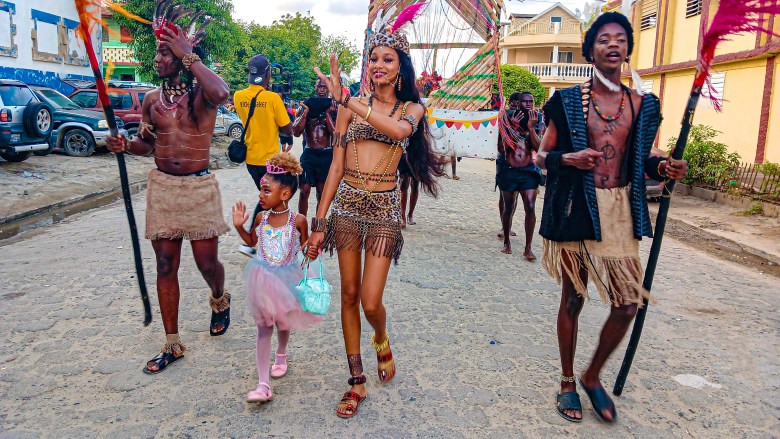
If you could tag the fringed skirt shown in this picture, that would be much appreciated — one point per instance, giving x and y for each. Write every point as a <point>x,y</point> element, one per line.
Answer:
<point>183,207</point>
<point>612,264</point>
<point>363,220</point>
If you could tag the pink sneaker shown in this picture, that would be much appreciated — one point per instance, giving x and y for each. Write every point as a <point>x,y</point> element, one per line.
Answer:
<point>279,370</point>
<point>263,393</point>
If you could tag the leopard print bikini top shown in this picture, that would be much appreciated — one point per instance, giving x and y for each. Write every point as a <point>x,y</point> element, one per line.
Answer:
<point>365,131</point>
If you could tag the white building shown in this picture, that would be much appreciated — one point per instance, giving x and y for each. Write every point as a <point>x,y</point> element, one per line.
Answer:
<point>38,43</point>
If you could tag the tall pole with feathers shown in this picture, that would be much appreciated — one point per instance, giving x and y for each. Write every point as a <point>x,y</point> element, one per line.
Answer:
<point>89,11</point>
<point>733,17</point>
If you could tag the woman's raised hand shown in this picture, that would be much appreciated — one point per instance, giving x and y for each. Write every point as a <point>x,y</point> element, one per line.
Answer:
<point>334,80</point>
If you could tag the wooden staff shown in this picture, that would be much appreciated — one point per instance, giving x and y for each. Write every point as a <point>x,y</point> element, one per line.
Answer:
<point>86,35</point>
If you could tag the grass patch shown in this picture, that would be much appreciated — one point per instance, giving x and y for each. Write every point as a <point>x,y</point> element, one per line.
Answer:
<point>755,209</point>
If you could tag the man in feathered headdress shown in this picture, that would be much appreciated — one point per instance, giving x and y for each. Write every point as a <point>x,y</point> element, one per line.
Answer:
<point>597,152</point>
<point>183,199</point>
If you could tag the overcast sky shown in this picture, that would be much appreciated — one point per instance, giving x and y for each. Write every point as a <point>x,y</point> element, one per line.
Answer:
<point>348,18</point>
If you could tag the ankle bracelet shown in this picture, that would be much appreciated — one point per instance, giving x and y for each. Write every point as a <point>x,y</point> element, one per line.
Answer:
<point>354,381</point>
<point>565,379</point>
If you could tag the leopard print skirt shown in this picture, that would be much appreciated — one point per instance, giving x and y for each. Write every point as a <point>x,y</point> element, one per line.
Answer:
<point>365,220</point>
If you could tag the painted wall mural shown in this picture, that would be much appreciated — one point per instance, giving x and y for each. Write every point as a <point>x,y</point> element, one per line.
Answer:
<point>464,133</point>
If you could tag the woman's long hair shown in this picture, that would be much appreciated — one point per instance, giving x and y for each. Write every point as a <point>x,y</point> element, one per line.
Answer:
<point>423,162</point>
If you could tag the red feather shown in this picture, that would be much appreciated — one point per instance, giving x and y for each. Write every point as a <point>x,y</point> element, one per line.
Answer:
<point>408,14</point>
<point>733,17</point>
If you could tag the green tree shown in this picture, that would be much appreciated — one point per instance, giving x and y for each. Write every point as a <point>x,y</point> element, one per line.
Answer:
<point>348,53</point>
<point>223,39</point>
<point>708,161</point>
<point>292,42</point>
<point>515,78</point>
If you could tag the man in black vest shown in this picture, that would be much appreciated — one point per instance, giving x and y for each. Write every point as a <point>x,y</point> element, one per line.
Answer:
<point>595,208</point>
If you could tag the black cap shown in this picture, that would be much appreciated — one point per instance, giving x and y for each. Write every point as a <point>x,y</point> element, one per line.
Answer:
<point>258,67</point>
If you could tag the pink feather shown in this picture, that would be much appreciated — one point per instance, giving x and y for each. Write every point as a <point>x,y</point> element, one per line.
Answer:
<point>733,17</point>
<point>408,14</point>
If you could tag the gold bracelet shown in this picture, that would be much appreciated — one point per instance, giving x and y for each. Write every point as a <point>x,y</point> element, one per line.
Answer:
<point>188,59</point>
<point>367,114</point>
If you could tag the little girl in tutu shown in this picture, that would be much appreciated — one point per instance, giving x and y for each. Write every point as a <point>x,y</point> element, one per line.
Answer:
<point>274,272</point>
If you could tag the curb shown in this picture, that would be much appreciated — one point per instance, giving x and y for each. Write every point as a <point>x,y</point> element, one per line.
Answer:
<point>13,225</point>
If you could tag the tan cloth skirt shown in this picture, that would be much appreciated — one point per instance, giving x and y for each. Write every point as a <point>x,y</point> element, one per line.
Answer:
<point>183,207</point>
<point>362,220</point>
<point>612,264</point>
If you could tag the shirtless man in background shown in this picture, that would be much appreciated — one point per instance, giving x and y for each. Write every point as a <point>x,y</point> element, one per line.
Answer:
<point>316,128</point>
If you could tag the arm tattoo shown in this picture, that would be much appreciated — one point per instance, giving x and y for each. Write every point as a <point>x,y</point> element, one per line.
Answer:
<point>339,140</point>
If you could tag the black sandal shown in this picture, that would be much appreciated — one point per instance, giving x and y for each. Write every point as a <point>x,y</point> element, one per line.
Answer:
<point>220,317</point>
<point>162,360</point>
<point>569,401</point>
<point>600,401</point>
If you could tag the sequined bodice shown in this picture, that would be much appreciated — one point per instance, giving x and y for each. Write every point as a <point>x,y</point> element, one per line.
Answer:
<point>277,246</point>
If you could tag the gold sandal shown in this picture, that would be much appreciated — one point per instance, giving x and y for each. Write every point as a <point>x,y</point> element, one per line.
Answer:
<point>384,363</point>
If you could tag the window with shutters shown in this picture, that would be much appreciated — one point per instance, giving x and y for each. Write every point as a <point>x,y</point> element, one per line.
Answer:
<point>563,57</point>
<point>106,37</point>
<point>692,8</point>
<point>647,86</point>
<point>718,80</point>
<point>649,14</point>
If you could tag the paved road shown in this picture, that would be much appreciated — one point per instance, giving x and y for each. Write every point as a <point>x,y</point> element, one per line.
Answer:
<point>473,331</point>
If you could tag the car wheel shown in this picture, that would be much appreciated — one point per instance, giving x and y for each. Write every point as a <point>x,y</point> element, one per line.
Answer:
<point>16,156</point>
<point>235,131</point>
<point>131,131</point>
<point>78,143</point>
<point>37,119</point>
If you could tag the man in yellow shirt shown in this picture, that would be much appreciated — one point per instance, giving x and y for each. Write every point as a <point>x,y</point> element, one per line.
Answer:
<point>268,120</point>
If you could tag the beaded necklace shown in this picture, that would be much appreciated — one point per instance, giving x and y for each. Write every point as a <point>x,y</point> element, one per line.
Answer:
<point>391,152</point>
<point>275,233</point>
<point>587,97</point>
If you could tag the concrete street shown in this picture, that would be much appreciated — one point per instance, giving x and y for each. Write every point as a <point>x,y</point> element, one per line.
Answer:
<point>472,330</point>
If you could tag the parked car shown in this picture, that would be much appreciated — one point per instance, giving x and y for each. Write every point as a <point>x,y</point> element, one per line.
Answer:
<point>76,131</point>
<point>126,103</point>
<point>230,120</point>
<point>25,121</point>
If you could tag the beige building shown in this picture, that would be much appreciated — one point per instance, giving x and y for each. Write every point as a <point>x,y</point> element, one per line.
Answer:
<point>547,44</point>
<point>744,74</point>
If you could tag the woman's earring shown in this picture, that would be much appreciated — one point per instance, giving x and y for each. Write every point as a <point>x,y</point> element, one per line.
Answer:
<point>371,85</point>
<point>399,82</point>
<point>628,59</point>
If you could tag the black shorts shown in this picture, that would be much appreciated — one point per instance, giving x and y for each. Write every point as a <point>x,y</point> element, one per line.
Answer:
<point>316,165</point>
<point>511,179</point>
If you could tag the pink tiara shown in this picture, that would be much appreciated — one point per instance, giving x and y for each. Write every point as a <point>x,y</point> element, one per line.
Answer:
<point>275,170</point>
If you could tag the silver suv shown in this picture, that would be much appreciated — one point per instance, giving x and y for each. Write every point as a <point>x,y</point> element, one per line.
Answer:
<point>25,121</point>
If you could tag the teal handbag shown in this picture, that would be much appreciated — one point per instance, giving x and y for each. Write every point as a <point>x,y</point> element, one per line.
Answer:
<point>314,293</point>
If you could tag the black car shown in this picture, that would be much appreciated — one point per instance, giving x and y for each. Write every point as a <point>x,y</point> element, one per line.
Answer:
<point>77,131</point>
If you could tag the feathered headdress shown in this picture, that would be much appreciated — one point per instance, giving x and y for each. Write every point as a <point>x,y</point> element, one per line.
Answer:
<point>390,35</point>
<point>166,14</point>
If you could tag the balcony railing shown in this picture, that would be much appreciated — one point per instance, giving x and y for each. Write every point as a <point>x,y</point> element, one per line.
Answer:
<point>560,70</point>
<point>119,54</point>
<point>544,28</point>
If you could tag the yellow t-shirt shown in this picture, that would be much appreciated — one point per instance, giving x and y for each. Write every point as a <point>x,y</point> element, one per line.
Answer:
<point>262,136</point>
